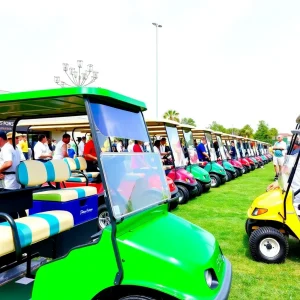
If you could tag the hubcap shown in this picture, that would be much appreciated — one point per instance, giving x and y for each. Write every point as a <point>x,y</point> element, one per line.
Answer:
<point>180,196</point>
<point>269,247</point>
<point>213,182</point>
<point>103,219</point>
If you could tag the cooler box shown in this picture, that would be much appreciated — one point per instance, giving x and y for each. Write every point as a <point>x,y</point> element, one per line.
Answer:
<point>83,209</point>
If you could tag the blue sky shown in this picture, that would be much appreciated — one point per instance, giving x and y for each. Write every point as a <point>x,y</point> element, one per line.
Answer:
<point>235,62</point>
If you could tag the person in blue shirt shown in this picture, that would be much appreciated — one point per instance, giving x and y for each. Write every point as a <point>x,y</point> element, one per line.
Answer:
<point>201,150</point>
<point>232,150</point>
<point>71,151</point>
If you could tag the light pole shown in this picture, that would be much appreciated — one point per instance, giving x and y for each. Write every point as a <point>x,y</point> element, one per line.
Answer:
<point>77,78</point>
<point>157,26</point>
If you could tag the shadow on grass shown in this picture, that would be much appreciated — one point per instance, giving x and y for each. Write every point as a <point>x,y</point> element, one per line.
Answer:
<point>246,246</point>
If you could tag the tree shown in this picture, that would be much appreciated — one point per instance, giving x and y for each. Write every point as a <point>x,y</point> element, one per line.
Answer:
<point>188,121</point>
<point>217,127</point>
<point>246,131</point>
<point>172,115</point>
<point>273,133</point>
<point>263,132</point>
<point>233,130</point>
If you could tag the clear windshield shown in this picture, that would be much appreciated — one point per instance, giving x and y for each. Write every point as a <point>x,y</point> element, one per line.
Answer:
<point>210,146</point>
<point>225,147</point>
<point>286,170</point>
<point>237,149</point>
<point>189,141</point>
<point>241,149</point>
<point>114,122</point>
<point>134,181</point>
<point>221,148</point>
<point>175,145</point>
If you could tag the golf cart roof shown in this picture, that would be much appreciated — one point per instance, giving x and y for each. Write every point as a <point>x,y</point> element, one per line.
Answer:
<point>57,124</point>
<point>161,122</point>
<point>59,102</point>
<point>186,126</point>
<point>198,130</point>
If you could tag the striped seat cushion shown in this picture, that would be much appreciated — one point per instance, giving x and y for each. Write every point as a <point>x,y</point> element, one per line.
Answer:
<point>92,174</point>
<point>76,179</point>
<point>35,228</point>
<point>67,194</point>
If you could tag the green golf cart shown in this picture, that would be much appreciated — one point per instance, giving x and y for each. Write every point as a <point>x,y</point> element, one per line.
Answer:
<point>146,253</point>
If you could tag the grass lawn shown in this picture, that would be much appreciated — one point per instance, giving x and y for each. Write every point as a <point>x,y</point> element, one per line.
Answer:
<point>223,212</point>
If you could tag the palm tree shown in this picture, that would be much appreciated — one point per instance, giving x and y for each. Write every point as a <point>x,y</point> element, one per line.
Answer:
<point>188,121</point>
<point>172,115</point>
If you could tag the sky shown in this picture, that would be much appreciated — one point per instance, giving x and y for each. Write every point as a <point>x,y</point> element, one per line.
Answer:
<point>235,62</point>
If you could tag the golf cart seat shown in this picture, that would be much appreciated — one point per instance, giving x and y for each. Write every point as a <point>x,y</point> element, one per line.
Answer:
<point>77,167</point>
<point>32,173</point>
<point>35,228</point>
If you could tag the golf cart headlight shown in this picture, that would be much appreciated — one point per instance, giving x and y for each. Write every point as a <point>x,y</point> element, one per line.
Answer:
<point>187,180</point>
<point>259,211</point>
<point>208,277</point>
<point>211,278</point>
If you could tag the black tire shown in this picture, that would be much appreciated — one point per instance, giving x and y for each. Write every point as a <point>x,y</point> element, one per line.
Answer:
<point>247,227</point>
<point>199,188</point>
<point>103,217</point>
<point>184,194</point>
<point>229,175</point>
<point>205,189</point>
<point>172,205</point>
<point>246,169</point>
<point>137,297</point>
<point>268,239</point>
<point>223,179</point>
<point>239,172</point>
<point>215,180</point>
<point>252,167</point>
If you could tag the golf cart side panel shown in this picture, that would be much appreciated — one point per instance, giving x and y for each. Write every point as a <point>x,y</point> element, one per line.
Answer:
<point>76,276</point>
<point>198,172</point>
<point>157,247</point>
<point>273,201</point>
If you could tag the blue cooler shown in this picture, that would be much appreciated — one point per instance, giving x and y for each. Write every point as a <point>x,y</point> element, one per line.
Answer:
<point>82,209</point>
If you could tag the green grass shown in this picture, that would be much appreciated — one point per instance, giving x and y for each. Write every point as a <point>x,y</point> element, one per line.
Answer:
<point>223,212</point>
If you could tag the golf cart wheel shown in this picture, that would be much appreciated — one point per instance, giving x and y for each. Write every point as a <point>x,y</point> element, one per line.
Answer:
<point>199,188</point>
<point>252,167</point>
<point>137,297</point>
<point>103,217</point>
<point>215,180</point>
<point>246,170</point>
<point>268,245</point>
<point>229,175</point>
<point>248,227</point>
<point>239,172</point>
<point>183,194</point>
<point>173,205</point>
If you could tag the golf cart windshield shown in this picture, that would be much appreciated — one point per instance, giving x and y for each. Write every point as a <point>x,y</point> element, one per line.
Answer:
<point>237,149</point>
<point>174,142</point>
<point>286,170</point>
<point>188,136</point>
<point>221,148</point>
<point>115,122</point>
<point>241,149</point>
<point>210,145</point>
<point>135,181</point>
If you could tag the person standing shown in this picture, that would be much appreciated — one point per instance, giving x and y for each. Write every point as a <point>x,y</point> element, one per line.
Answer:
<point>41,149</point>
<point>279,150</point>
<point>81,146</point>
<point>23,143</point>
<point>61,150</point>
<point>90,156</point>
<point>9,160</point>
<point>18,148</point>
<point>138,146</point>
<point>232,151</point>
<point>164,149</point>
<point>201,150</point>
<point>130,146</point>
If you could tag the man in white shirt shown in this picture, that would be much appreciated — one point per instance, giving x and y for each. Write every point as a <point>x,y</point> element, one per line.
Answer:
<point>61,149</point>
<point>9,160</point>
<point>130,146</point>
<point>279,150</point>
<point>41,149</point>
<point>17,136</point>
<point>81,146</point>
